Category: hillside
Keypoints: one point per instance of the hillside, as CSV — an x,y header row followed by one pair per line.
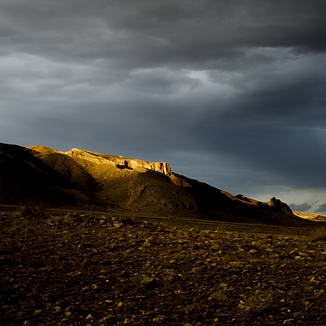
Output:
x,y
80,178
26,179
311,216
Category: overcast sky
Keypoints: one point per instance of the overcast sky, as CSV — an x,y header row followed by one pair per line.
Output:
x,y
232,93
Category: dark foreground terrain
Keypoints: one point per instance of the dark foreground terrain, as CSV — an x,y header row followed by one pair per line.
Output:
x,y
88,270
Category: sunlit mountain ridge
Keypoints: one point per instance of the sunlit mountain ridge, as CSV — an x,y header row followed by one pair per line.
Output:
x,y
81,178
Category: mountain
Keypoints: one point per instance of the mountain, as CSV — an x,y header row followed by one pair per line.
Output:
x,y
80,178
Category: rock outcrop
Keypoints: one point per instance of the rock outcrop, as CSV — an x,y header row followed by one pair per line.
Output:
x,y
278,205
120,161
161,167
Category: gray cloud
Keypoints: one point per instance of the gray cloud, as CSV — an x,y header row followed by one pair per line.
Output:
x,y
321,208
230,92
300,207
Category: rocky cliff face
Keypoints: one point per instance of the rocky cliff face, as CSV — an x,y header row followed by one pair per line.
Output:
x,y
119,162
81,155
161,167
279,205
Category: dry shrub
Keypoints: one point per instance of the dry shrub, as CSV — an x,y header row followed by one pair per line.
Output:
x,y
259,302
221,229
318,234
24,211
197,311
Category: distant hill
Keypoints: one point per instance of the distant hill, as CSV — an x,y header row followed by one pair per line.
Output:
x,y
80,178
311,216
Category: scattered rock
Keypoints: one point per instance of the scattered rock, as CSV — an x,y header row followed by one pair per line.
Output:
x,y
196,270
289,322
99,273
195,247
144,280
219,295
6,261
37,264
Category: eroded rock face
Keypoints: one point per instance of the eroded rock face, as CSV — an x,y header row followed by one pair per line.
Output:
x,y
279,205
121,162
87,156
161,167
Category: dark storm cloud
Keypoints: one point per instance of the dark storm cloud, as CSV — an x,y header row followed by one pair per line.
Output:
x,y
321,208
162,32
235,88
300,207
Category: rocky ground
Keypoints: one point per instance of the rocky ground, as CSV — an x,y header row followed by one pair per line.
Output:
x,y
86,270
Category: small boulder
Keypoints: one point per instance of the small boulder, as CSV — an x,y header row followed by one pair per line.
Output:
x,y
219,295
144,280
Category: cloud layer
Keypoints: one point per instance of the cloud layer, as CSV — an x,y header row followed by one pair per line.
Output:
x,y
230,92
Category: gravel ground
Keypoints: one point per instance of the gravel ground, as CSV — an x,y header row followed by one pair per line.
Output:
x,y
86,270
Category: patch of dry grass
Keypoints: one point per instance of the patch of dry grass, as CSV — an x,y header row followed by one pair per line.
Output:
x,y
259,302
318,234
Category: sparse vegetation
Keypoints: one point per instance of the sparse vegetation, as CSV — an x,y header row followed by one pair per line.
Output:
x,y
78,269
260,302
318,234
24,211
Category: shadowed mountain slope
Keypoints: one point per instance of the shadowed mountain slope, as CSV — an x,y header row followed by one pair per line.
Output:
x,y
79,177
26,179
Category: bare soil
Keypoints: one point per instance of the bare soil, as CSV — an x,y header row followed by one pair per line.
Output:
x,y
79,269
